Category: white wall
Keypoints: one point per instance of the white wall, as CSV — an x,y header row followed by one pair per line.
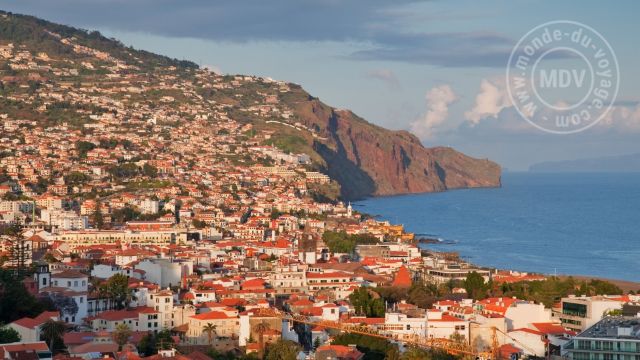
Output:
x,y
521,314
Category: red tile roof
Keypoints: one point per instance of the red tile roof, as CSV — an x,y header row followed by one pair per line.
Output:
x,y
32,323
211,315
342,351
402,278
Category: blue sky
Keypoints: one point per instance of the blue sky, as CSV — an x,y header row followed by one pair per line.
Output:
x,y
434,67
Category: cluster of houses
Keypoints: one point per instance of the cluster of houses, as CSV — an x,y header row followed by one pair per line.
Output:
x,y
235,284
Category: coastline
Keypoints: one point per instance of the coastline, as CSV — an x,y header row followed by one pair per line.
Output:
x,y
511,236
624,285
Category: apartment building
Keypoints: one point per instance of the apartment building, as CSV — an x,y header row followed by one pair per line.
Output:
x,y
612,338
579,313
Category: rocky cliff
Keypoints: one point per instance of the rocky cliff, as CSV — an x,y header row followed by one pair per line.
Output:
x,y
368,160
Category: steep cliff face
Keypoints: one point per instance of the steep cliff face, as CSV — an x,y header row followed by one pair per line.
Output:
x,y
368,160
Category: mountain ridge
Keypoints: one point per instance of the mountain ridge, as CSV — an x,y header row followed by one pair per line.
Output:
x,y
364,158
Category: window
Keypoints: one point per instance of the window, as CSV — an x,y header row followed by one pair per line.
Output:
x,y
573,309
81,299
44,281
68,283
75,283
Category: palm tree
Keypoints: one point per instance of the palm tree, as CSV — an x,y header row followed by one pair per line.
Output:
x,y
261,328
210,330
52,330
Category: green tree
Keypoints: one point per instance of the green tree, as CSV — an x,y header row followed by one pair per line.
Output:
x,y
98,219
415,353
84,147
392,354
8,335
125,214
282,350
124,171
121,335
341,242
164,340
76,178
261,328
146,345
116,289
151,343
474,285
15,301
150,170
198,224
365,303
210,330
373,348
51,332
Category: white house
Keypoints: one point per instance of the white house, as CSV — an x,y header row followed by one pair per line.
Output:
x,y
403,325
444,326
72,285
522,313
29,328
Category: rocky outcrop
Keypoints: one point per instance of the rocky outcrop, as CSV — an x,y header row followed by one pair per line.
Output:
x,y
368,160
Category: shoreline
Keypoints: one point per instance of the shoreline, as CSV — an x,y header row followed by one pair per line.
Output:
x,y
624,285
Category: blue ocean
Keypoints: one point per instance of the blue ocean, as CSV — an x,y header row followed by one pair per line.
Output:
x,y
583,224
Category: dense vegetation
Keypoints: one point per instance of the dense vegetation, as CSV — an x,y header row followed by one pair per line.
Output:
x,y
372,347
547,292
282,350
366,304
8,335
552,289
152,342
15,301
341,242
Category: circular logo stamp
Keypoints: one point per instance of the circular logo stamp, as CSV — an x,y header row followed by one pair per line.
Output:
x,y
563,77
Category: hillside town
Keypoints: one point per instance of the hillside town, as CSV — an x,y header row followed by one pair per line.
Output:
x,y
166,211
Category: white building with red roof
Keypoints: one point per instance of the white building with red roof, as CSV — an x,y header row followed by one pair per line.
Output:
x,y
29,328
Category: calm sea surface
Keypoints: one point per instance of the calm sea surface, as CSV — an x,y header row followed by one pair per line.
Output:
x,y
587,224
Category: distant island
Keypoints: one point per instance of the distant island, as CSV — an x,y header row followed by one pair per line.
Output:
x,y
621,163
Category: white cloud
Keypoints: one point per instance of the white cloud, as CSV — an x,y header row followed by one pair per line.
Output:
x,y
622,118
386,75
491,99
438,100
